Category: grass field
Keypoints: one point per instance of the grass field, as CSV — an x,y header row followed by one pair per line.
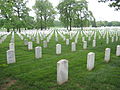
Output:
x,y
29,73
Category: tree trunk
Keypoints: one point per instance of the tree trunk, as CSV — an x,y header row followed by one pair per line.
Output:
x,y
13,29
81,24
8,30
19,29
70,24
41,24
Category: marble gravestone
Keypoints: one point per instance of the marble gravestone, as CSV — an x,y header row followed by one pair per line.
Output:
x,y
25,42
107,55
94,43
112,39
118,50
38,52
62,71
84,44
30,46
11,46
107,41
90,60
45,44
67,41
73,46
10,56
58,49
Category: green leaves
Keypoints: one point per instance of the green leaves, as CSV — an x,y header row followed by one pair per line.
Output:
x,y
13,13
45,14
74,13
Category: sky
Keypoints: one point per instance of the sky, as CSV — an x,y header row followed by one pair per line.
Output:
x,y
101,11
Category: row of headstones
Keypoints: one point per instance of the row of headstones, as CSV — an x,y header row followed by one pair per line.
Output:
x,y
3,38
62,65
89,37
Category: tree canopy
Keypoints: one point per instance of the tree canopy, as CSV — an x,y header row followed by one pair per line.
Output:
x,y
45,14
75,13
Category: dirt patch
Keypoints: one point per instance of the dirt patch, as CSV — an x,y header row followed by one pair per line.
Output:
x,y
8,82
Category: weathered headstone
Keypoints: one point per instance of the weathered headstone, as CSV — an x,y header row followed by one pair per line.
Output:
x,y
25,42
118,50
112,39
38,52
85,45
10,56
30,46
62,71
107,40
89,38
94,43
67,41
45,44
73,46
90,60
107,55
58,49
11,46
83,39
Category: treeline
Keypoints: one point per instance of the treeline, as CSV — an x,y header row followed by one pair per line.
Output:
x,y
106,23
14,14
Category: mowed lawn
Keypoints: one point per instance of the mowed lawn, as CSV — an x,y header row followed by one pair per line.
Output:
x,y
29,73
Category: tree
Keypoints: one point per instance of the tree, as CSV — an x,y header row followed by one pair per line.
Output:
x,y
75,13
20,13
113,3
44,14
66,12
13,13
6,13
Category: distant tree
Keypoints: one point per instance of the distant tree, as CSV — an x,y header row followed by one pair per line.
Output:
x,y
45,14
20,13
66,12
106,23
58,23
75,13
113,3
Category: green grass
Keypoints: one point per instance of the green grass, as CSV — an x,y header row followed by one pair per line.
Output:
x,y
40,74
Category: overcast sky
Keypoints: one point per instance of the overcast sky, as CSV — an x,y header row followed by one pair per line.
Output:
x,y
101,11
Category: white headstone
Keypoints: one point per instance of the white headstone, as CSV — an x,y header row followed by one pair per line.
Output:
x,y
38,52
33,39
118,50
89,38
67,41
45,44
90,60
11,46
85,45
10,56
25,42
62,71
37,40
83,39
94,43
112,39
73,46
107,55
107,41
58,49
30,46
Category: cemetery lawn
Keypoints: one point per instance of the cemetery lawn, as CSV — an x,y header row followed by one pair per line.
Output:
x,y
29,73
